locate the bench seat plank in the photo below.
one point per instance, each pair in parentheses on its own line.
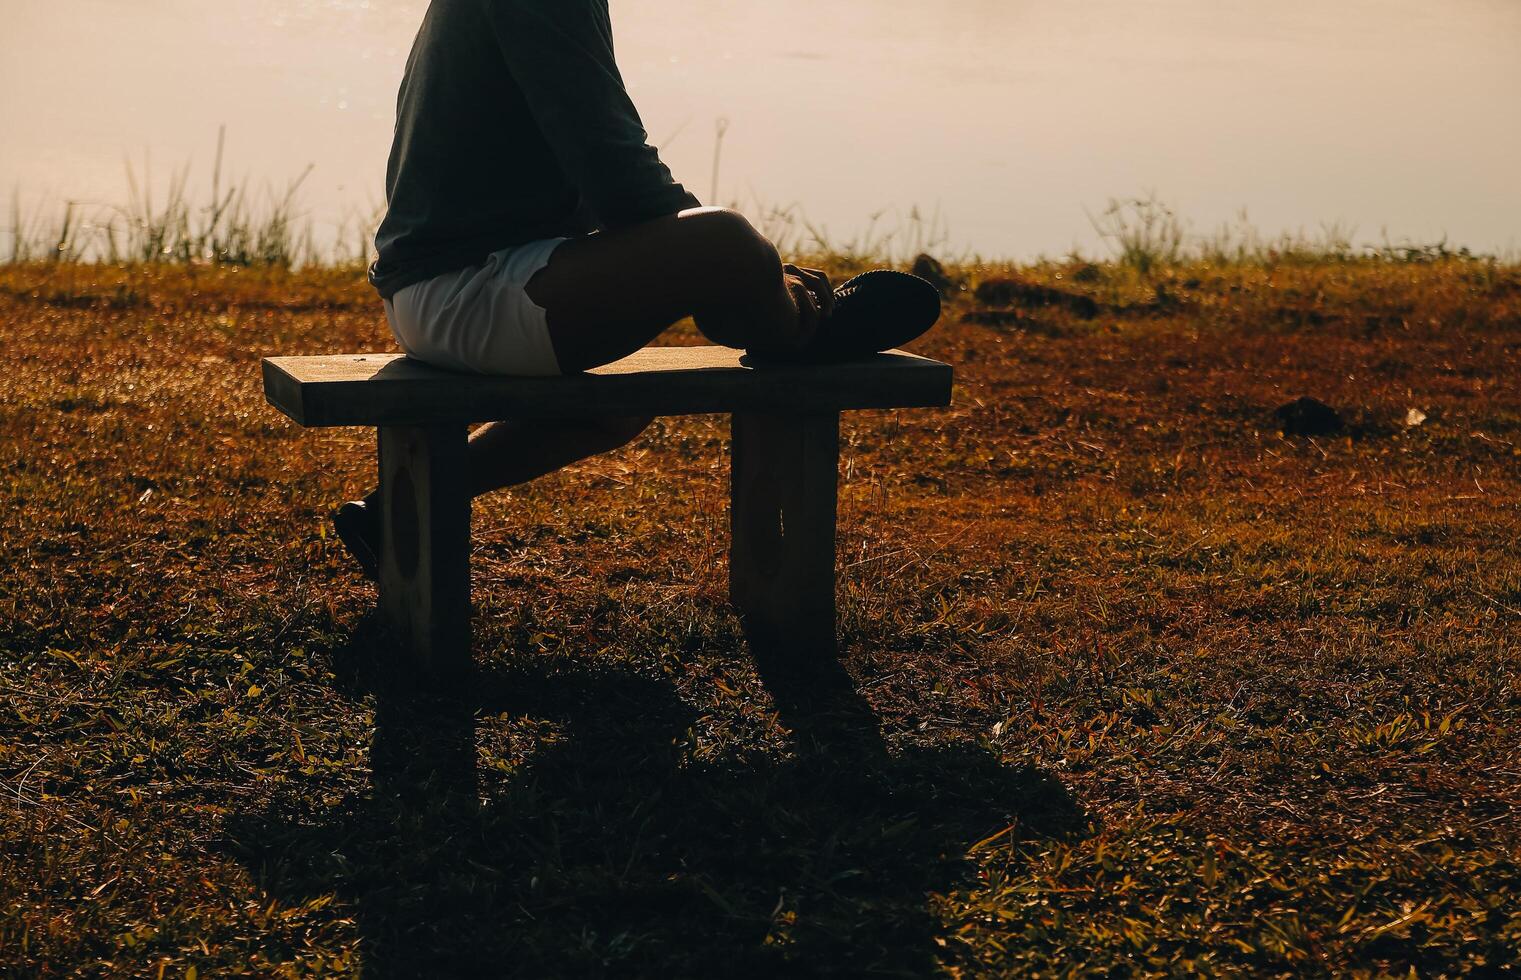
(392,389)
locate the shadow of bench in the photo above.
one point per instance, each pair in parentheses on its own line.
(784,475)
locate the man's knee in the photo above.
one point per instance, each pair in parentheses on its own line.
(743,254)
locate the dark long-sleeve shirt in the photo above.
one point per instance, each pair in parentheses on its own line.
(512,125)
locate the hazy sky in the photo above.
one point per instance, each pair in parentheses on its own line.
(1009,116)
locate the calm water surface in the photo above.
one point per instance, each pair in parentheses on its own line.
(1008,117)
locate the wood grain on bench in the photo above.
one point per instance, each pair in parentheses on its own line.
(392,389)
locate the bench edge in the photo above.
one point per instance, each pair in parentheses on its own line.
(283,391)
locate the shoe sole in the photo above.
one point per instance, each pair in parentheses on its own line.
(354,531)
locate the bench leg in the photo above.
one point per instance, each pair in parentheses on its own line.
(425,545)
(782,522)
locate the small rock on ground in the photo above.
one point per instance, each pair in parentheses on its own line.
(1308,417)
(928,268)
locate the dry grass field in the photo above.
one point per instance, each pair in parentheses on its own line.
(1131,682)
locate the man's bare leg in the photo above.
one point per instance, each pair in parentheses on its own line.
(608,295)
(504,454)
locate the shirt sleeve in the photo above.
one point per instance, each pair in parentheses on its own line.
(560,53)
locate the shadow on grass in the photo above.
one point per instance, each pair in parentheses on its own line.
(607,851)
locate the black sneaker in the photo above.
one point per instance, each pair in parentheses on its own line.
(875,311)
(359,531)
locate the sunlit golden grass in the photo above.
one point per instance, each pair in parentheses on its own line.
(1148,686)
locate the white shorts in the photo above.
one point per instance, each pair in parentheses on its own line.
(479,319)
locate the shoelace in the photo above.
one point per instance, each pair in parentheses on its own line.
(850,286)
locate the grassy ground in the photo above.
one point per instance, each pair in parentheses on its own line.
(1130,682)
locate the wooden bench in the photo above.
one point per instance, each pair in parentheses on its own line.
(784,469)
